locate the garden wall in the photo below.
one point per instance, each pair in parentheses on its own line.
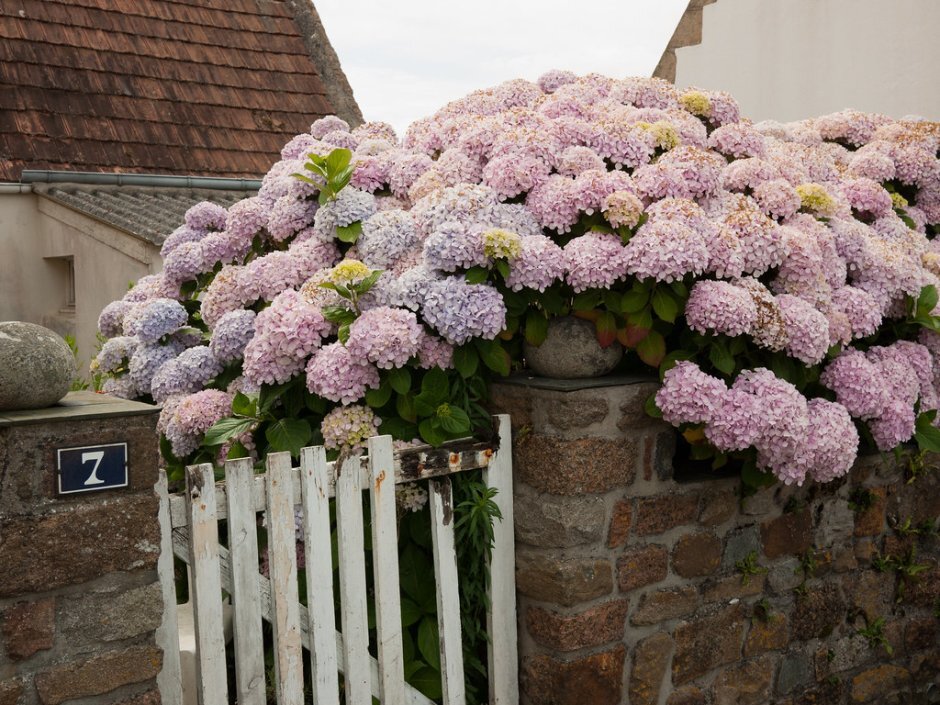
(80,602)
(637,588)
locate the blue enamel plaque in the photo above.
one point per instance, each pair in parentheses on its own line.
(92,468)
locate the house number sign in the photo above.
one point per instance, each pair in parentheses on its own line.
(92,468)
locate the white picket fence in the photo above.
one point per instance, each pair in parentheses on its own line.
(190,531)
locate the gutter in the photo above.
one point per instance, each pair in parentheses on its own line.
(46,176)
(15,188)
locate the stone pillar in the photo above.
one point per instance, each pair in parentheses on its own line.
(582,450)
(79,596)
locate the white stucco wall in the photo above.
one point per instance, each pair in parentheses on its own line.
(34,229)
(792,59)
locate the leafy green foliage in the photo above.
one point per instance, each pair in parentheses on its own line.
(874,632)
(331,174)
(748,567)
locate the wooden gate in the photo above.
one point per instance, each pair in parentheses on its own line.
(191,532)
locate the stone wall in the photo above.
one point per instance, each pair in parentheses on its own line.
(637,588)
(79,596)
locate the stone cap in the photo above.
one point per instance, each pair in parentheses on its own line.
(78,405)
(527,379)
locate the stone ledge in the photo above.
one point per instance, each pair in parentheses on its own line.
(78,405)
(524,379)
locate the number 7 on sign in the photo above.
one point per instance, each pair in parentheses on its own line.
(97,456)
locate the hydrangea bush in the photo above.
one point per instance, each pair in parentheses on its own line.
(781,277)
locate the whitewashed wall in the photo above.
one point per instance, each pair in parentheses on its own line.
(33,232)
(790,59)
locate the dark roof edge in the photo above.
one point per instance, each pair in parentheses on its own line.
(47,176)
(688,33)
(338,90)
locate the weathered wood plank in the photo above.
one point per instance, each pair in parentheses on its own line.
(502,650)
(169,680)
(282,561)
(212,687)
(385,569)
(315,476)
(350,536)
(243,547)
(182,551)
(448,597)
(417,463)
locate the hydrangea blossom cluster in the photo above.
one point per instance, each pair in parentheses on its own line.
(333,373)
(348,427)
(186,420)
(883,385)
(795,438)
(793,237)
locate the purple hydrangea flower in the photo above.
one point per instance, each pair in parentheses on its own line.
(185,374)
(349,206)
(115,353)
(156,319)
(206,216)
(348,427)
(858,385)
(894,425)
(386,237)
(231,334)
(286,334)
(777,198)
(289,215)
(182,234)
(147,361)
(411,287)
(720,307)
(387,337)
(539,265)
(111,320)
(184,263)
(434,352)
(737,421)
(737,140)
(325,125)
(121,387)
(187,420)
(551,81)
(594,260)
(333,373)
(461,311)
(666,252)
(689,395)
(454,245)
(807,329)
(861,308)
(784,413)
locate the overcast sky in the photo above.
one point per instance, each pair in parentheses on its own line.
(406,59)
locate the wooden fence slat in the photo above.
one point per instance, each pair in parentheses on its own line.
(169,680)
(419,463)
(212,687)
(243,548)
(282,562)
(352,581)
(448,597)
(502,650)
(385,569)
(182,551)
(314,482)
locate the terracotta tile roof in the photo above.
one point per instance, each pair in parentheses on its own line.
(203,87)
(148,213)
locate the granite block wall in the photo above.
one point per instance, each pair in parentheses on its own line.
(637,587)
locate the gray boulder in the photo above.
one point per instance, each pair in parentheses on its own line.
(571,351)
(36,366)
